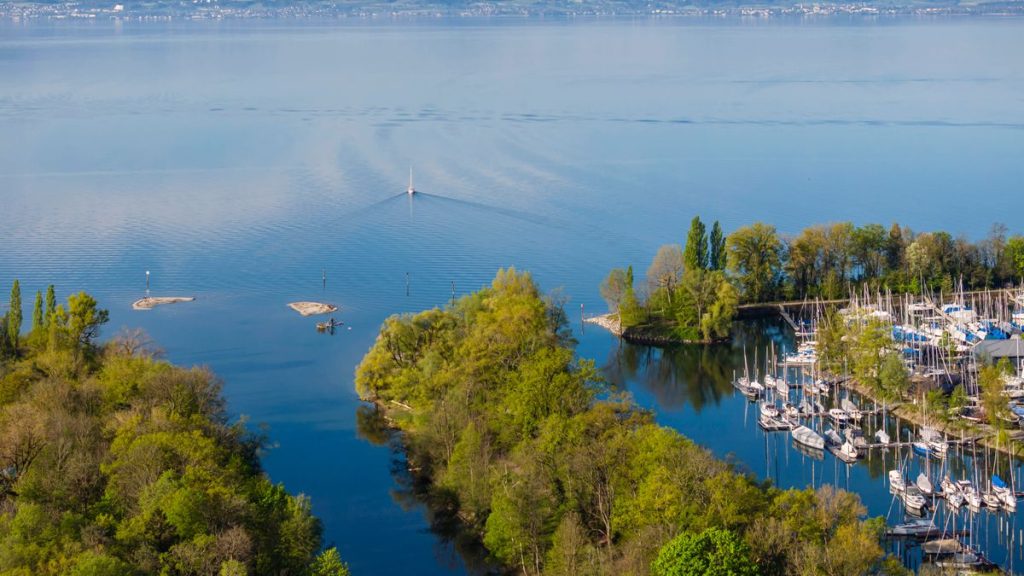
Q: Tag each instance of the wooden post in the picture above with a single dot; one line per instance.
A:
(324, 276)
(453, 292)
(406, 283)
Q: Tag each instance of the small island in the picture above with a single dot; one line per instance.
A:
(150, 302)
(312, 308)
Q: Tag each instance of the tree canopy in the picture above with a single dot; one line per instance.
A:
(113, 462)
(555, 474)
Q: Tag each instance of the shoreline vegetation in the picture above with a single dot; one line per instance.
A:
(554, 473)
(116, 463)
(686, 299)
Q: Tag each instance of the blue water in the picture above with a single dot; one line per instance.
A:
(237, 161)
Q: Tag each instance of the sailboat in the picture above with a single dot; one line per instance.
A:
(410, 190)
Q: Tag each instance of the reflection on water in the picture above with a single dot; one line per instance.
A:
(455, 548)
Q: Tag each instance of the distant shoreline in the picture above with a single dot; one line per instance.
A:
(509, 11)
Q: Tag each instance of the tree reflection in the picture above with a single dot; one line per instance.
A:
(693, 374)
(455, 547)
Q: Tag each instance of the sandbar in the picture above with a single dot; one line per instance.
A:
(150, 302)
(312, 308)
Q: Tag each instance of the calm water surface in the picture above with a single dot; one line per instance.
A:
(237, 161)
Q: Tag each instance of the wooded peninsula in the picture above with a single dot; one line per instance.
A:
(556, 474)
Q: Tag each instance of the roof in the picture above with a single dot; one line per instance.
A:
(1013, 348)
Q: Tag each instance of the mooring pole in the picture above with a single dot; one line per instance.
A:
(147, 281)
(583, 322)
(453, 292)
(324, 277)
(406, 283)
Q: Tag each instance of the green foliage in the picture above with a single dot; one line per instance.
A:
(992, 382)
(695, 256)
(614, 288)
(755, 259)
(14, 316)
(664, 275)
(716, 252)
(51, 303)
(328, 563)
(37, 313)
(552, 473)
(713, 552)
(124, 465)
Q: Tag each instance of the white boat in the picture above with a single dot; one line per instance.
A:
(832, 438)
(851, 409)
(991, 500)
(769, 410)
(410, 190)
(1009, 501)
(948, 486)
(847, 452)
(954, 500)
(925, 484)
(896, 481)
(882, 436)
(914, 500)
(839, 415)
(808, 437)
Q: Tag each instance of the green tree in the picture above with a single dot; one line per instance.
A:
(695, 256)
(14, 316)
(893, 378)
(1014, 256)
(614, 288)
(713, 552)
(755, 258)
(85, 318)
(328, 563)
(716, 254)
(51, 304)
(37, 313)
(992, 382)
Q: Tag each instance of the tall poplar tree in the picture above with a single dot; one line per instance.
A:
(37, 312)
(695, 257)
(51, 304)
(716, 257)
(14, 315)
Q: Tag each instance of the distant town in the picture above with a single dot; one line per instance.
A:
(214, 10)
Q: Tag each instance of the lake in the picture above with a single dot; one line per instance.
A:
(240, 162)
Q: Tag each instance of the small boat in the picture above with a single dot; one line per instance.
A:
(913, 529)
(924, 484)
(791, 411)
(832, 438)
(769, 410)
(856, 437)
(838, 415)
(954, 500)
(770, 424)
(922, 449)
(851, 409)
(970, 493)
(948, 486)
(808, 437)
(410, 190)
(882, 436)
(991, 500)
(914, 500)
(896, 481)
(847, 452)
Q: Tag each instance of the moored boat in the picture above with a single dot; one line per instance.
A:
(808, 437)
